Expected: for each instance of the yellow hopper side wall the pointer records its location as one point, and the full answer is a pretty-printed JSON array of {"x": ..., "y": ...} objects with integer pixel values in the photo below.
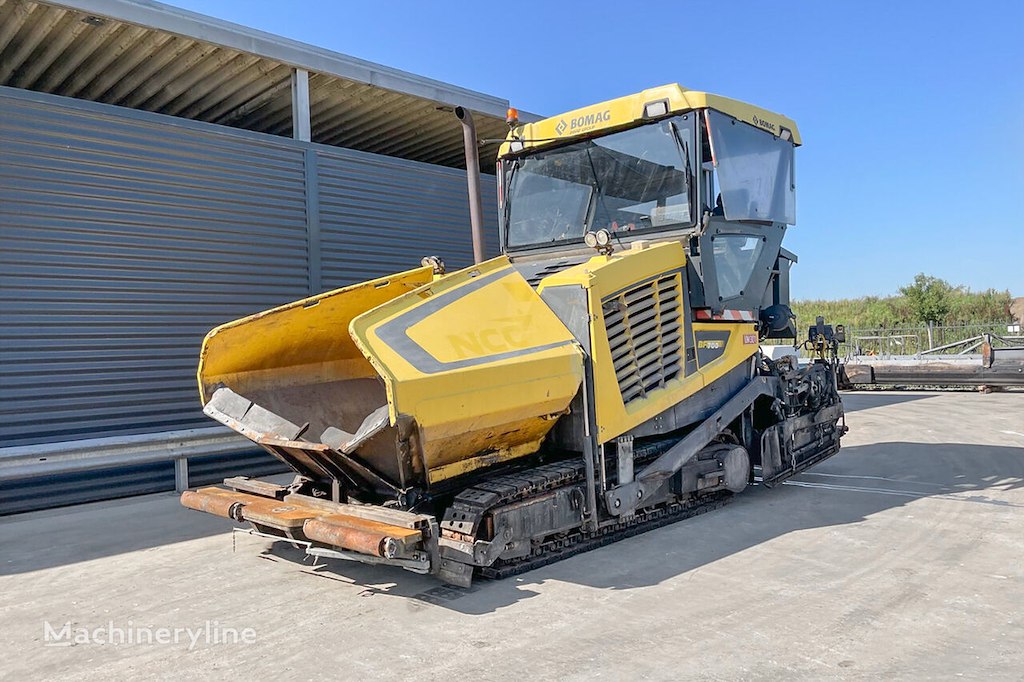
[
  {"x": 479, "y": 360},
  {"x": 299, "y": 361}
]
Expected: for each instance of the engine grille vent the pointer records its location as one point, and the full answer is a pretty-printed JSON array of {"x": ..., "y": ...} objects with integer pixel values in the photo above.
[{"x": 644, "y": 327}]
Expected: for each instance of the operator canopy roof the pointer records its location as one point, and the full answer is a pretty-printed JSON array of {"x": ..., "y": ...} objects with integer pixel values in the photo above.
[{"x": 649, "y": 104}]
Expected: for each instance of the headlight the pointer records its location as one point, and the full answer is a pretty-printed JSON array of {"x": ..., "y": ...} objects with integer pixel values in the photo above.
[
  {"x": 590, "y": 239},
  {"x": 602, "y": 237}
]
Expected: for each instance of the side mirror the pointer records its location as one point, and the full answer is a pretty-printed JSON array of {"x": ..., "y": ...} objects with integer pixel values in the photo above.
[{"x": 840, "y": 334}]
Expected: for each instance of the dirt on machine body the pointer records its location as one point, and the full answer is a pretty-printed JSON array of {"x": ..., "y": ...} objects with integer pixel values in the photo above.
[{"x": 601, "y": 377}]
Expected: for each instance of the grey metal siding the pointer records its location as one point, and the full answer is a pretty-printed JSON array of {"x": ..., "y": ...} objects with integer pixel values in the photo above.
[
  {"x": 380, "y": 215},
  {"x": 124, "y": 238},
  {"x": 21, "y": 495}
]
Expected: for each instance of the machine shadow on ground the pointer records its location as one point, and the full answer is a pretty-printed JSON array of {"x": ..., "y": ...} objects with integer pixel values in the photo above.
[
  {"x": 866, "y": 400},
  {"x": 862, "y": 480},
  {"x": 70, "y": 535},
  {"x": 74, "y": 534},
  {"x": 157, "y": 520}
]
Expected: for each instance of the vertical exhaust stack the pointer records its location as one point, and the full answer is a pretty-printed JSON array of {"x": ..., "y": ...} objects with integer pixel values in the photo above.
[{"x": 476, "y": 209}]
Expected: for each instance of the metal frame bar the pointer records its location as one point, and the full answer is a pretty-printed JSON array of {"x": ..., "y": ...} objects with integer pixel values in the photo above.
[
  {"x": 591, "y": 449},
  {"x": 313, "y": 242},
  {"x": 91, "y": 454},
  {"x": 623, "y": 499},
  {"x": 180, "y": 474},
  {"x": 300, "y": 105},
  {"x": 423, "y": 566},
  {"x": 292, "y": 52},
  {"x": 680, "y": 454}
]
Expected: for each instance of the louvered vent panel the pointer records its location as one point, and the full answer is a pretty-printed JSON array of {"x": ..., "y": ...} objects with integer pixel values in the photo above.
[{"x": 644, "y": 327}]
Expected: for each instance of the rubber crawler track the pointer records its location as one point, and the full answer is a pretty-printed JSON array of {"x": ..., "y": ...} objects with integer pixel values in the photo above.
[
  {"x": 474, "y": 503},
  {"x": 577, "y": 543}
]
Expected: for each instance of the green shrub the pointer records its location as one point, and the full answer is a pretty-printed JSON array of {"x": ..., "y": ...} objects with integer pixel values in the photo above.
[{"x": 926, "y": 298}]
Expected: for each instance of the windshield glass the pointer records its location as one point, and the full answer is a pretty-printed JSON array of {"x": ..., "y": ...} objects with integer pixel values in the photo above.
[
  {"x": 735, "y": 258},
  {"x": 755, "y": 171},
  {"x": 638, "y": 179}
]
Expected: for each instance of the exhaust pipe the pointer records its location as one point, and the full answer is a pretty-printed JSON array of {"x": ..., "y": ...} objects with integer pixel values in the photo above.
[{"x": 476, "y": 208}]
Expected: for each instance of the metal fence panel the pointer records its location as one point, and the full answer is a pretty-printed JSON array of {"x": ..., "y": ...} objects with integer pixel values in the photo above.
[
  {"x": 125, "y": 238},
  {"x": 380, "y": 215},
  {"x": 63, "y": 489},
  {"x": 916, "y": 340}
]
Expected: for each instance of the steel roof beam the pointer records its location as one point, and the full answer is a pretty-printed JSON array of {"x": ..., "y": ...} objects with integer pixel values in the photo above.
[
  {"x": 14, "y": 21},
  {"x": 67, "y": 30},
  {"x": 214, "y": 82},
  {"x": 78, "y": 52},
  {"x": 292, "y": 52},
  {"x": 102, "y": 60},
  {"x": 40, "y": 22},
  {"x": 230, "y": 111},
  {"x": 149, "y": 56},
  {"x": 300, "y": 104},
  {"x": 241, "y": 72}
]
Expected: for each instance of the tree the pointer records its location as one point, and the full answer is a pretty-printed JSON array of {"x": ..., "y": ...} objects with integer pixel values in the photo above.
[{"x": 930, "y": 298}]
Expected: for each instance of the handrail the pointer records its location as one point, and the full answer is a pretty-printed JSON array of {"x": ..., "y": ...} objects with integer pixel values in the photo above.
[{"x": 47, "y": 459}]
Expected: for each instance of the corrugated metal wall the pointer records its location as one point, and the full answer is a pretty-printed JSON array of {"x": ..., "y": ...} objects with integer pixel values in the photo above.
[
  {"x": 125, "y": 236},
  {"x": 367, "y": 201},
  {"x": 125, "y": 239},
  {"x": 27, "y": 494}
]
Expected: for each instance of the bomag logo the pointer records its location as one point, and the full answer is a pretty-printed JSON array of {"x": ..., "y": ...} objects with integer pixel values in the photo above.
[
  {"x": 710, "y": 345},
  {"x": 761, "y": 123},
  {"x": 580, "y": 124}
]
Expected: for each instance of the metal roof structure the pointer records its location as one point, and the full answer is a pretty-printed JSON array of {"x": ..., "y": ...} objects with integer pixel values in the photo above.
[{"x": 150, "y": 56}]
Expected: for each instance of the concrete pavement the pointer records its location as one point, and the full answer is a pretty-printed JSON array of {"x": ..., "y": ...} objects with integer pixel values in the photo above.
[{"x": 903, "y": 556}]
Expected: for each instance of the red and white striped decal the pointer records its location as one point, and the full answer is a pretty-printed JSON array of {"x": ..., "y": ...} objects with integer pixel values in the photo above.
[{"x": 728, "y": 315}]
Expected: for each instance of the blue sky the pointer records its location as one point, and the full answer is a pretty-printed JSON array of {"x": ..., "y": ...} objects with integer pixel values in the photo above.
[{"x": 912, "y": 113}]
